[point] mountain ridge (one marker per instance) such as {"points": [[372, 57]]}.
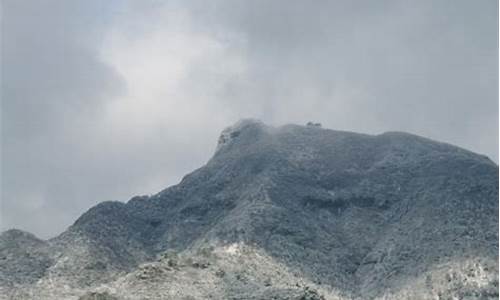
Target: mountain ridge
{"points": [[362, 214]]}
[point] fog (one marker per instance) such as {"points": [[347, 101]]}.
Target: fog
{"points": [[104, 100]]}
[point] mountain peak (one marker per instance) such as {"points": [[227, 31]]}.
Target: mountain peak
{"points": [[229, 134], [17, 234], [364, 215]]}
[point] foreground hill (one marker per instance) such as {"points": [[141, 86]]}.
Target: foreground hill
{"points": [[293, 212]]}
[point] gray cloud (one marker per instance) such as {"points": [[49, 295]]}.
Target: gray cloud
{"points": [[104, 101], [52, 84]]}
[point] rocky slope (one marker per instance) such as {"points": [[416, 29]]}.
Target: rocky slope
{"points": [[293, 212]]}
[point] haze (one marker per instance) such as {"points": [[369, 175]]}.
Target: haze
{"points": [[104, 100]]}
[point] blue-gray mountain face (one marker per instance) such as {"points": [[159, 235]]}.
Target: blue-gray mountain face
{"points": [[293, 212]]}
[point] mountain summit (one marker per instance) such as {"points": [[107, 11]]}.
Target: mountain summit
{"points": [[290, 212]]}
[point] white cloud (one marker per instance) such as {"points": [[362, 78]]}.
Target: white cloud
{"points": [[173, 75]]}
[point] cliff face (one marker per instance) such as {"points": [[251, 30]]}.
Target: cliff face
{"points": [[290, 212]]}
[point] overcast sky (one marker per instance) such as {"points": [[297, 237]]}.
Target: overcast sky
{"points": [[104, 100]]}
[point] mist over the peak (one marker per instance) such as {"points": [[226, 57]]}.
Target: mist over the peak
{"points": [[106, 100]]}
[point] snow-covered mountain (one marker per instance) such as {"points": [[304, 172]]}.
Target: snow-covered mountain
{"points": [[290, 212]]}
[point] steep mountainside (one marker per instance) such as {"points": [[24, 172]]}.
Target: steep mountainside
{"points": [[293, 212]]}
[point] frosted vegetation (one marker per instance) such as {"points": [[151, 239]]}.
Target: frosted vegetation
{"points": [[291, 212]]}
